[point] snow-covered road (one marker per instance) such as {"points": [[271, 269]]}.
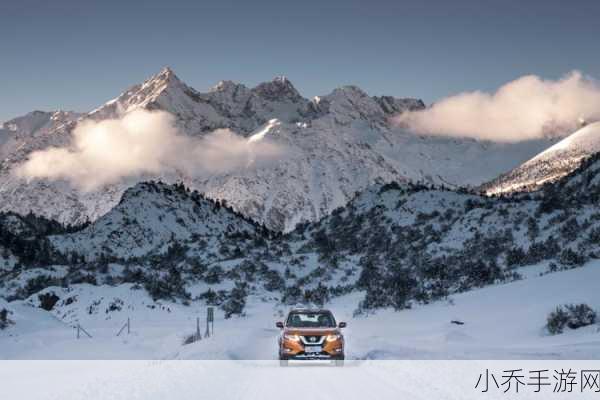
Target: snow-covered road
{"points": [[500, 322], [264, 380]]}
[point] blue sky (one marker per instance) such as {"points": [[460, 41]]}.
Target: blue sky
{"points": [[67, 54]]}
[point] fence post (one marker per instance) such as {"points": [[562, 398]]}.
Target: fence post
{"points": [[80, 329], [126, 325], [207, 333], [198, 335]]}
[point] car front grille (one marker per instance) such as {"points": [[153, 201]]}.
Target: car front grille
{"points": [[312, 339]]}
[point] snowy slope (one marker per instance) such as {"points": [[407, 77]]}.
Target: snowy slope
{"points": [[149, 217], [392, 258], [440, 242], [338, 144], [17, 135], [551, 164]]}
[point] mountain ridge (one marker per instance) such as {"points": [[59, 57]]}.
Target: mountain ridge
{"points": [[550, 165], [339, 144]]}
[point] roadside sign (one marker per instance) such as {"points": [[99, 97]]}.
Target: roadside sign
{"points": [[210, 321]]}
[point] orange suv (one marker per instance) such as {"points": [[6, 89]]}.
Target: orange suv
{"points": [[311, 335]]}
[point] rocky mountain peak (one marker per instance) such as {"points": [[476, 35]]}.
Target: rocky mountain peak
{"points": [[144, 95], [28, 122], [278, 89], [165, 79], [166, 74], [393, 105], [225, 86]]}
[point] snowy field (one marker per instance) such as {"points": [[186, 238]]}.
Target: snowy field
{"points": [[500, 322], [413, 354]]}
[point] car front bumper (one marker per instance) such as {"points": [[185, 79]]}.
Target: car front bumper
{"points": [[295, 350]]}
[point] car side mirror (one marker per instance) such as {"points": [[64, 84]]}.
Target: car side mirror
{"points": [[342, 325], [279, 324]]}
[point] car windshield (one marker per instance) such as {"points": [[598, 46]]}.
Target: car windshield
{"points": [[310, 320]]}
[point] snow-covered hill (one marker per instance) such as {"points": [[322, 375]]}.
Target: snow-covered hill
{"points": [[401, 243], [163, 252], [151, 217], [338, 144], [499, 322], [551, 164]]}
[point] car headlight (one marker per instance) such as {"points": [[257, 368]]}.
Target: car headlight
{"points": [[333, 338], [293, 338]]}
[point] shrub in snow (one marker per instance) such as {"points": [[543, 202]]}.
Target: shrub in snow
{"points": [[594, 235], [37, 284], [317, 296], [580, 315], [273, 281], [515, 256], [394, 288], [570, 258], [79, 277], [213, 298], [198, 268], [214, 275], [570, 229], [48, 300], [237, 300], [4, 321], [557, 320], [115, 305], [292, 295], [552, 267], [571, 316], [168, 287]]}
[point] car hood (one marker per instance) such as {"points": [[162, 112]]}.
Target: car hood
{"points": [[311, 331]]}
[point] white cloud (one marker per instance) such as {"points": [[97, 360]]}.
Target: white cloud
{"points": [[143, 142], [526, 108]]}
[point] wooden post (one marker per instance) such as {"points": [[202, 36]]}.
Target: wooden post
{"points": [[125, 325], [80, 329], [198, 335]]}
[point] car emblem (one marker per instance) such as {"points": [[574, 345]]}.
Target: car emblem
{"points": [[313, 339]]}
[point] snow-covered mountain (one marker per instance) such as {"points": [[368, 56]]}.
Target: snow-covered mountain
{"points": [[338, 144], [551, 164], [33, 131], [151, 217], [397, 246]]}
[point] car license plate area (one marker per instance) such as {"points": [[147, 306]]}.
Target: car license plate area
{"points": [[313, 349]]}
